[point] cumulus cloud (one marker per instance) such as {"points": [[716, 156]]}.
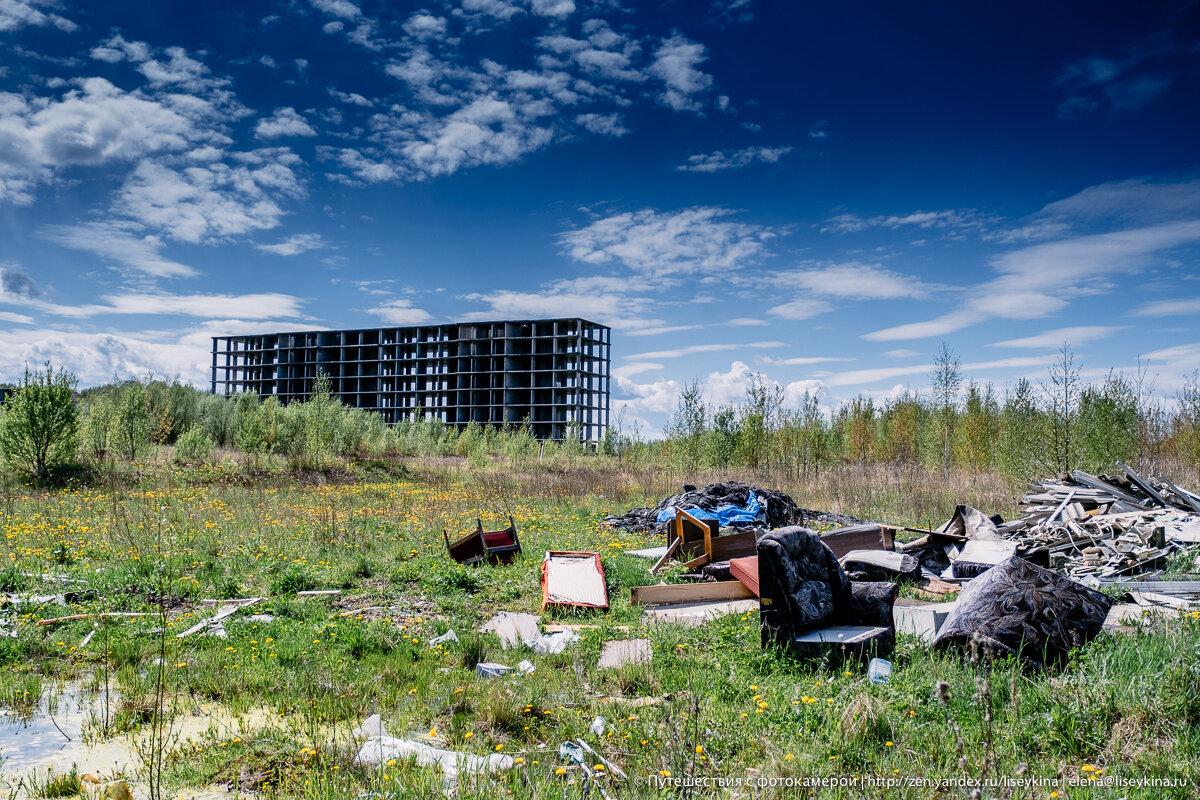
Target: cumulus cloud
{"points": [[93, 124], [603, 124], [16, 14], [676, 63], [693, 240], [211, 202], [343, 9], [423, 25], [401, 312], [733, 159], [284, 122]]}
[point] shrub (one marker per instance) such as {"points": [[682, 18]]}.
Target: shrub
{"points": [[194, 446], [40, 423]]}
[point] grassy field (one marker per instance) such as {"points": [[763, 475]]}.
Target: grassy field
{"points": [[711, 706]]}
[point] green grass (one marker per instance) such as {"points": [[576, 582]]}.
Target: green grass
{"points": [[1126, 705]]}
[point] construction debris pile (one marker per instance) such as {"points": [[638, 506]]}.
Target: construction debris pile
{"points": [[1098, 528], [733, 504]]}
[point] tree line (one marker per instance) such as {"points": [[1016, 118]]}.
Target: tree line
{"points": [[1025, 430]]}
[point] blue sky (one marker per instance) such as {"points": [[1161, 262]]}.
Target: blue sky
{"points": [[820, 192]]}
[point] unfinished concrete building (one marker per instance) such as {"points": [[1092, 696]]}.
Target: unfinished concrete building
{"points": [[552, 372]]}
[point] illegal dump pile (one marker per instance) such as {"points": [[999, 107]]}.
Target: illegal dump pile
{"points": [[1028, 586], [1101, 527], [732, 504]]}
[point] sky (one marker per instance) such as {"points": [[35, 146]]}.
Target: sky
{"points": [[822, 193]]}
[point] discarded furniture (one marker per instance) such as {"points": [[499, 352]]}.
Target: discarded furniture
{"points": [[573, 578], [1019, 608], [809, 606], [920, 618], [688, 593], [746, 571], [880, 565], [867, 536], [497, 547]]}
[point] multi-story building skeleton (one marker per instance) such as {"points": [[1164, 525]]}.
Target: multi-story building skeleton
{"points": [[553, 373]]}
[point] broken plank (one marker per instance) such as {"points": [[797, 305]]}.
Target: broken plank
{"points": [[99, 615], [733, 545], [689, 593], [222, 613], [662, 562], [319, 593], [698, 561]]}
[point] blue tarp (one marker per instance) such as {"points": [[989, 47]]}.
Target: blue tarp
{"points": [[727, 514]]}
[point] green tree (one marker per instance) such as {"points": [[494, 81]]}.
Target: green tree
{"points": [[687, 426], [40, 422], [1019, 437], [1062, 396], [1109, 422], [945, 380], [132, 422]]}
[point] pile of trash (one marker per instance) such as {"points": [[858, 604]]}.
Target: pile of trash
{"points": [[733, 504], [1105, 527]]}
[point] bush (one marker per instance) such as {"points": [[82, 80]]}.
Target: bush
{"points": [[40, 423], [194, 446]]}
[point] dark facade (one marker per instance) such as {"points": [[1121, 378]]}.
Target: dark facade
{"points": [[549, 371]]}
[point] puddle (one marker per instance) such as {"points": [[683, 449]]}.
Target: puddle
{"points": [[54, 736]]}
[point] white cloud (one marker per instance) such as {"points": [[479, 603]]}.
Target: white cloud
{"points": [[603, 124], [860, 377], [16, 14], [212, 202], [939, 326], [353, 98], [701, 348], [804, 308], [337, 8], [96, 358], [675, 64], [694, 240], [1167, 308], [901, 353], [741, 322], [294, 245], [801, 361], [486, 131], [661, 330], [552, 8], [15, 319], [608, 301], [284, 122], [956, 220], [423, 25], [1077, 335], [637, 368], [733, 159], [115, 244], [855, 280], [401, 312], [1058, 270], [93, 124]]}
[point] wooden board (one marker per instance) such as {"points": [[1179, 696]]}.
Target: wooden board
{"points": [[860, 537], [746, 571], [734, 545], [688, 593]]}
